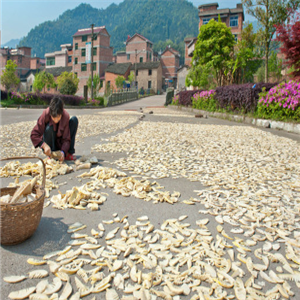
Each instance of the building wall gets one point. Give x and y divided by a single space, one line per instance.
35 63
121 58
156 79
111 77
103 57
170 64
187 58
21 56
181 75
139 44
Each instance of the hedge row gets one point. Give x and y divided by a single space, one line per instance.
238 98
40 98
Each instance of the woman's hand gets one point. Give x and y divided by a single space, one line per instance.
62 156
47 149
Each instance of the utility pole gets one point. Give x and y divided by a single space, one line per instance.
92 60
135 69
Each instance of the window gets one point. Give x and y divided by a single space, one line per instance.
76 73
30 89
83 67
76 60
150 56
94 66
83 52
205 20
76 46
235 37
37 61
128 56
108 83
95 37
137 73
150 72
94 51
50 61
149 84
141 59
69 59
234 21
84 38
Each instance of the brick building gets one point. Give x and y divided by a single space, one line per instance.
170 64
138 49
115 70
102 54
62 58
232 17
25 63
149 75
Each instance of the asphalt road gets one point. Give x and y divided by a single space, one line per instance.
52 233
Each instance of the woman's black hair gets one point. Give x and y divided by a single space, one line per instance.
56 106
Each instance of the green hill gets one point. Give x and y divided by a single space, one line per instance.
162 22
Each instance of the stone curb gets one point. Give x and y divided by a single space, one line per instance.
289 127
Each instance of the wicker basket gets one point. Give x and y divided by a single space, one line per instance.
18 222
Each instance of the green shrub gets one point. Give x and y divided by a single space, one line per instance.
282 102
169 96
68 87
204 100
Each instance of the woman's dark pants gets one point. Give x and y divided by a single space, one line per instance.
50 135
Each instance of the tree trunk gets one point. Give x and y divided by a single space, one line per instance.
267 63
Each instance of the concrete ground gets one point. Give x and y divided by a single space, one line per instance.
52 235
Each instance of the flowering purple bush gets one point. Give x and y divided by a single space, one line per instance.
204 100
281 102
240 97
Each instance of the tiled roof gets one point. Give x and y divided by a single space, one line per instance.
56 71
209 4
221 11
188 39
146 65
31 71
175 52
89 31
120 69
139 35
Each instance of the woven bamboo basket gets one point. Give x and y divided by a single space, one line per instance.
18 222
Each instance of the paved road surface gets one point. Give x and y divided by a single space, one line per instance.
52 233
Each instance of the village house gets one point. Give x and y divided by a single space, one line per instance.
232 17
102 54
113 71
149 76
62 58
170 64
138 49
27 66
181 75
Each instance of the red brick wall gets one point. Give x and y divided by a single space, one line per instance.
139 44
170 64
103 57
112 77
208 8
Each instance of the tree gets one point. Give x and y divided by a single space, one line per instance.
269 13
9 79
66 76
289 36
42 80
68 87
96 84
131 77
119 81
246 56
214 52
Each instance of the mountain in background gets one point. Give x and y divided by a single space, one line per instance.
162 22
12 43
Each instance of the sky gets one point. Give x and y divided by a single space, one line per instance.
18 17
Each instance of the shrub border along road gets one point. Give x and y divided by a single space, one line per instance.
289 127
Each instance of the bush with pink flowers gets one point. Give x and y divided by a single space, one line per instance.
281 102
204 100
